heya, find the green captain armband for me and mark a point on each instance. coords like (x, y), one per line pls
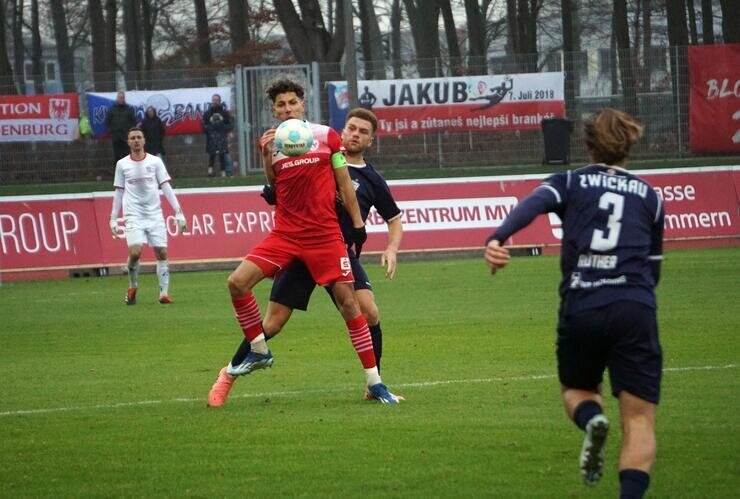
(338, 160)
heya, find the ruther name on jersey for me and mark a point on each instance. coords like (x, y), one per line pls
(597, 261)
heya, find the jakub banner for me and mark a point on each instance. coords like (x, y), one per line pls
(714, 103)
(32, 118)
(473, 103)
(181, 109)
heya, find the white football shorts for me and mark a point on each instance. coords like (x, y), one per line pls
(150, 231)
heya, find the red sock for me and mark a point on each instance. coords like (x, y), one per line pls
(359, 333)
(248, 315)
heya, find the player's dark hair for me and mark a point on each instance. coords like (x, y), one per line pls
(282, 86)
(609, 135)
(364, 114)
(136, 128)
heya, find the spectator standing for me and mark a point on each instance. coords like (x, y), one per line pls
(217, 124)
(119, 120)
(154, 132)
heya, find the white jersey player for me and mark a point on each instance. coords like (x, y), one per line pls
(139, 176)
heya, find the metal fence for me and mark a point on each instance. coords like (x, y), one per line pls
(660, 91)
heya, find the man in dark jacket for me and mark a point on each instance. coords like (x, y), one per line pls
(217, 125)
(119, 120)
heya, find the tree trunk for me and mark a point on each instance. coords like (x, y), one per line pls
(148, 21)
(692, 22)
(38, 76)
(64, 52)
(477, 42)
(238, 33)
(97, 42)
(132, 36)
(372, 42)
(626, 71)
(19, 50)
(730, 21)
(522, 24)
(647, 37)
(453, 45)
(396, 39)
(203, 37)
(613, 73)
(111, 15)
(7, 84)
(566, 13)
(707, 22)
(425, 31)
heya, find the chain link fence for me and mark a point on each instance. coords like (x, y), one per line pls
(656, 91)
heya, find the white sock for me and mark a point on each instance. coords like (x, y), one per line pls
(163, 274)
(133, 274)
(372, 377)
(259, 344)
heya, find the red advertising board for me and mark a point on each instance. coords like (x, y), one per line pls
(69, 231)
(714, 98)
(38, 117)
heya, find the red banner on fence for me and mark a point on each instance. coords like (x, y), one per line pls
(714, 104)
(28, 118)
(68, 231)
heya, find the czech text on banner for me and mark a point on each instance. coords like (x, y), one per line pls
(714, 103)
(180, 109)
(482, 103)
(30, 118)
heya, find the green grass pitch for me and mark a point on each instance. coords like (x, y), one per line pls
(100, 399)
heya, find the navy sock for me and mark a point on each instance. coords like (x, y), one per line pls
(377, 336)
(633, 483)
(584, 412)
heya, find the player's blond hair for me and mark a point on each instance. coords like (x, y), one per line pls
(609, 135)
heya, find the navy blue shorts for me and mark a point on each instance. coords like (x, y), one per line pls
(623, 337)
(293, 286)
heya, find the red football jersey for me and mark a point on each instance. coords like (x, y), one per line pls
(306, 189)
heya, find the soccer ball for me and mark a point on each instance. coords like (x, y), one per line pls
(293, 137)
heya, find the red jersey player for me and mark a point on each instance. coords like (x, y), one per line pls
(306, 229)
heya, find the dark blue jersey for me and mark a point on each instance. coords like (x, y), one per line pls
(371, 190)
(612, 234)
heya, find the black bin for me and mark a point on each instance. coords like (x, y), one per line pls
(556, 132)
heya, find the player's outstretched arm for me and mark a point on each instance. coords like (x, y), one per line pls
(388, 258)
(496, 256)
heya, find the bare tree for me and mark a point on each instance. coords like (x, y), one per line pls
(61, 39)
(308, 37)
(566, 12)
(522, 24)
(204, 41)
(730, 21)
(372, 42)
(475, 14)
(626, 72)
(396, 17)
(692, 22)
(19, 49)
(132, 38)
(238, 30)
(111, 13)
(38, 77)
(707, 22)
(423, 18)
(7, 85)
(453, 45)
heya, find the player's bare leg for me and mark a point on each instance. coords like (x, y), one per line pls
(359, 333)
(163, 275)
(638, 444)
(132, 265)
(584, 407)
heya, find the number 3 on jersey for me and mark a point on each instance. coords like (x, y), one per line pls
(614, 204)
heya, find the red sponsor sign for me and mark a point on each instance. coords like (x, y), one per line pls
(714, 98)
(38, 117)
(45, 232)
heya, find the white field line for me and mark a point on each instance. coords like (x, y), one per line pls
(292, 393)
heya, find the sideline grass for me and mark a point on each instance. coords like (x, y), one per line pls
(100, 399)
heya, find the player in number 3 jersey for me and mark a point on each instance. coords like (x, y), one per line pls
(610, 262)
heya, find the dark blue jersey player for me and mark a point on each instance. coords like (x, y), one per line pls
(293, 286)
(610, 261)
